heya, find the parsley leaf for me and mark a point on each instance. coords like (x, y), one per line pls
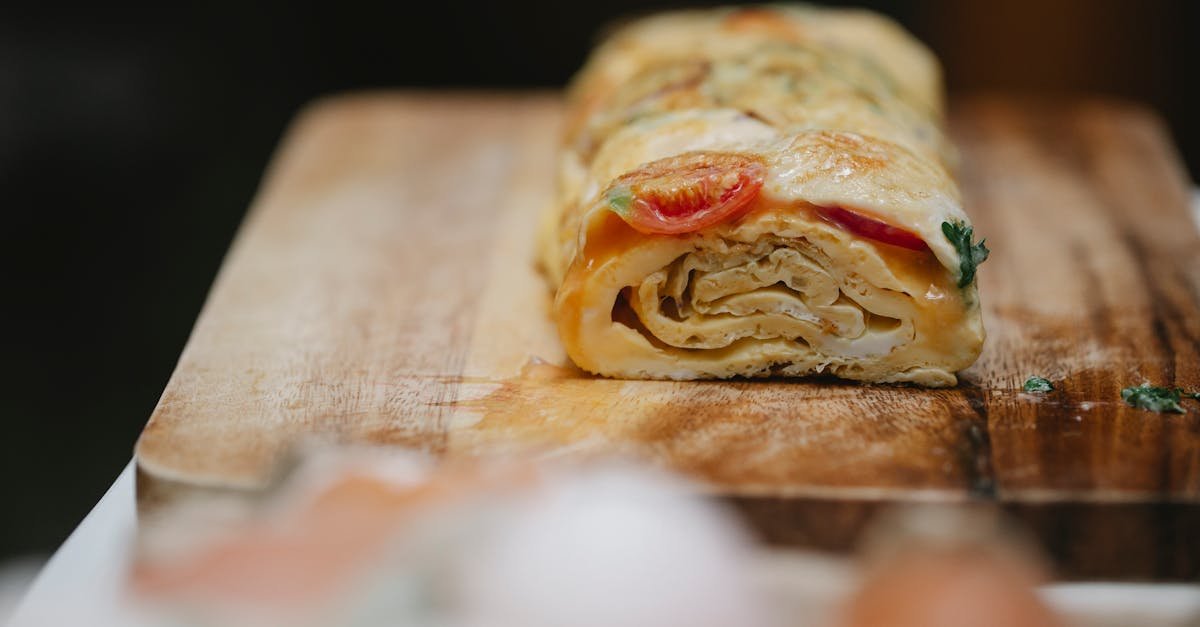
(970, 255)
(1038, 384)
(1153, 398)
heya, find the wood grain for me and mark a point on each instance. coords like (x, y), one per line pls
(383, 290)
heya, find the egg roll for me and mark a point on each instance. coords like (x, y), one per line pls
(765, 191)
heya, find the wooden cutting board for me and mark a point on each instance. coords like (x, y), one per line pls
(383, 290)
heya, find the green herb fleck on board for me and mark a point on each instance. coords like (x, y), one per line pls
(1154, 398)
(970, 255)
(1038, 384)
(619, 198)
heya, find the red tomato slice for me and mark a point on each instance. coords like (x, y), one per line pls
(687, 193)
(872, 228)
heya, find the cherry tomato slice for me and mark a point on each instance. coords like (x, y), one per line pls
(872, 228)
(688, 192)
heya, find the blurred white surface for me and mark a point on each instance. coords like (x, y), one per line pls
(15, 577)
(85, 577)
(1122, 605)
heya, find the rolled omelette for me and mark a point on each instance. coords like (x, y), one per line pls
(762, 192)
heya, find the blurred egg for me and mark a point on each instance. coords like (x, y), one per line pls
(612, 546)
(945, 567)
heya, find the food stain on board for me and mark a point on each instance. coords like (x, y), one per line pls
(760, 436)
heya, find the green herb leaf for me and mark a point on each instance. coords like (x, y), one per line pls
(619, 198)
(970, 255)
(1153, 398)
(1038, 384)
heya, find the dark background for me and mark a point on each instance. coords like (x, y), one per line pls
(132, 140)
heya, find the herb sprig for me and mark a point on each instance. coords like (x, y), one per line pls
(1036, 384)
(1158, 399)
(970, 255)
